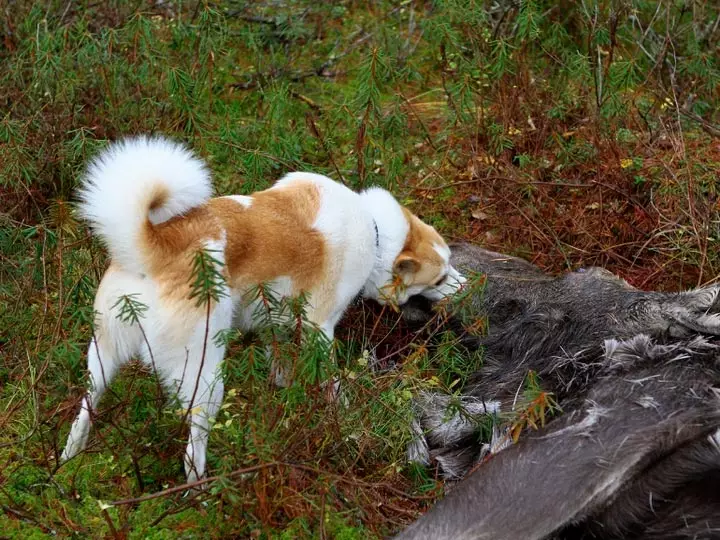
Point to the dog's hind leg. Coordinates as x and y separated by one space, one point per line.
196 372
113 345
101 373
200 418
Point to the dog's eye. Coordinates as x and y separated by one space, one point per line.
440 281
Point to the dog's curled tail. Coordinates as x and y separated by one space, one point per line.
136 184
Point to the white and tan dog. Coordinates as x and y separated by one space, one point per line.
149 200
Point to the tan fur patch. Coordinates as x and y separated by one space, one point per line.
420 247
169 248
159 197
272 237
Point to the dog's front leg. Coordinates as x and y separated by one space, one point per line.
332 386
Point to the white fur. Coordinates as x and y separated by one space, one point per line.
117 187
450 286
242 200
351 237
443 251
393 229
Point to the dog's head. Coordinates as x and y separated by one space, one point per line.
413 258
423 266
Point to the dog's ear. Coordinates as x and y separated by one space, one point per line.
406 264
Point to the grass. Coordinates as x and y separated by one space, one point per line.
572 134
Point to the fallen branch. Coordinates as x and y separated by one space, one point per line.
707 127
272 464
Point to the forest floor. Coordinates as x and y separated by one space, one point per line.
570 134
